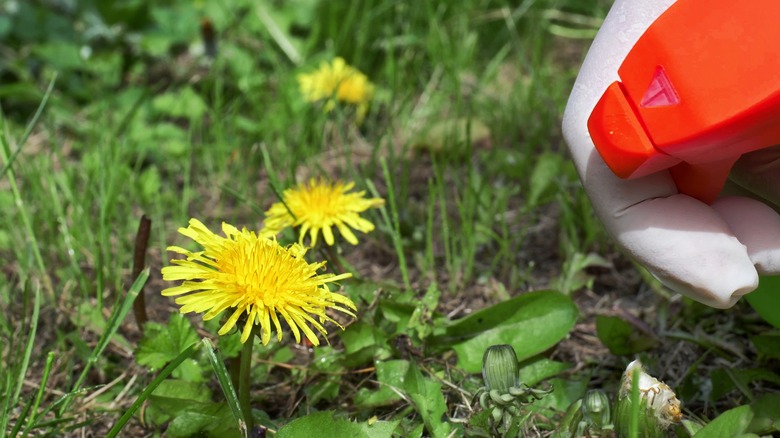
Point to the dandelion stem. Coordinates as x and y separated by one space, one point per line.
234 368
244 382
332 256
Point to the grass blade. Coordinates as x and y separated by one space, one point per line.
5 406
21 419
117 316
42 386
278 35
184 355
394 225
223 376
30 126
633 431
6 155
28 348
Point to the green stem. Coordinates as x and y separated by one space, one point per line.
332 256
244 382
633 430
234 368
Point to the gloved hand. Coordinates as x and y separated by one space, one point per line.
711 253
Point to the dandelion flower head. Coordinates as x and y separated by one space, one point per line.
658 395
340 81
251 274
319 206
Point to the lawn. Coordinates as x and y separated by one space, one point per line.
382 183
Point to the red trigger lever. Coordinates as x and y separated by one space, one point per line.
700 88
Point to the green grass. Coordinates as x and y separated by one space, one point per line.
462 141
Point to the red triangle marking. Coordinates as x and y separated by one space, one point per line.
660 92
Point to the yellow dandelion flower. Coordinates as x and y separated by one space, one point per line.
319 206
252 275
337 81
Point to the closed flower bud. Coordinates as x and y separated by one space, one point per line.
499 368
658 405
595 409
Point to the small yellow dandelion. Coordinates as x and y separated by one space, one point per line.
319 206
337 81
253 275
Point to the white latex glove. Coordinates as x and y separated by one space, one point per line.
711 253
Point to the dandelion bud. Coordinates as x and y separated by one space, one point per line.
499 368
658 404
595 409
